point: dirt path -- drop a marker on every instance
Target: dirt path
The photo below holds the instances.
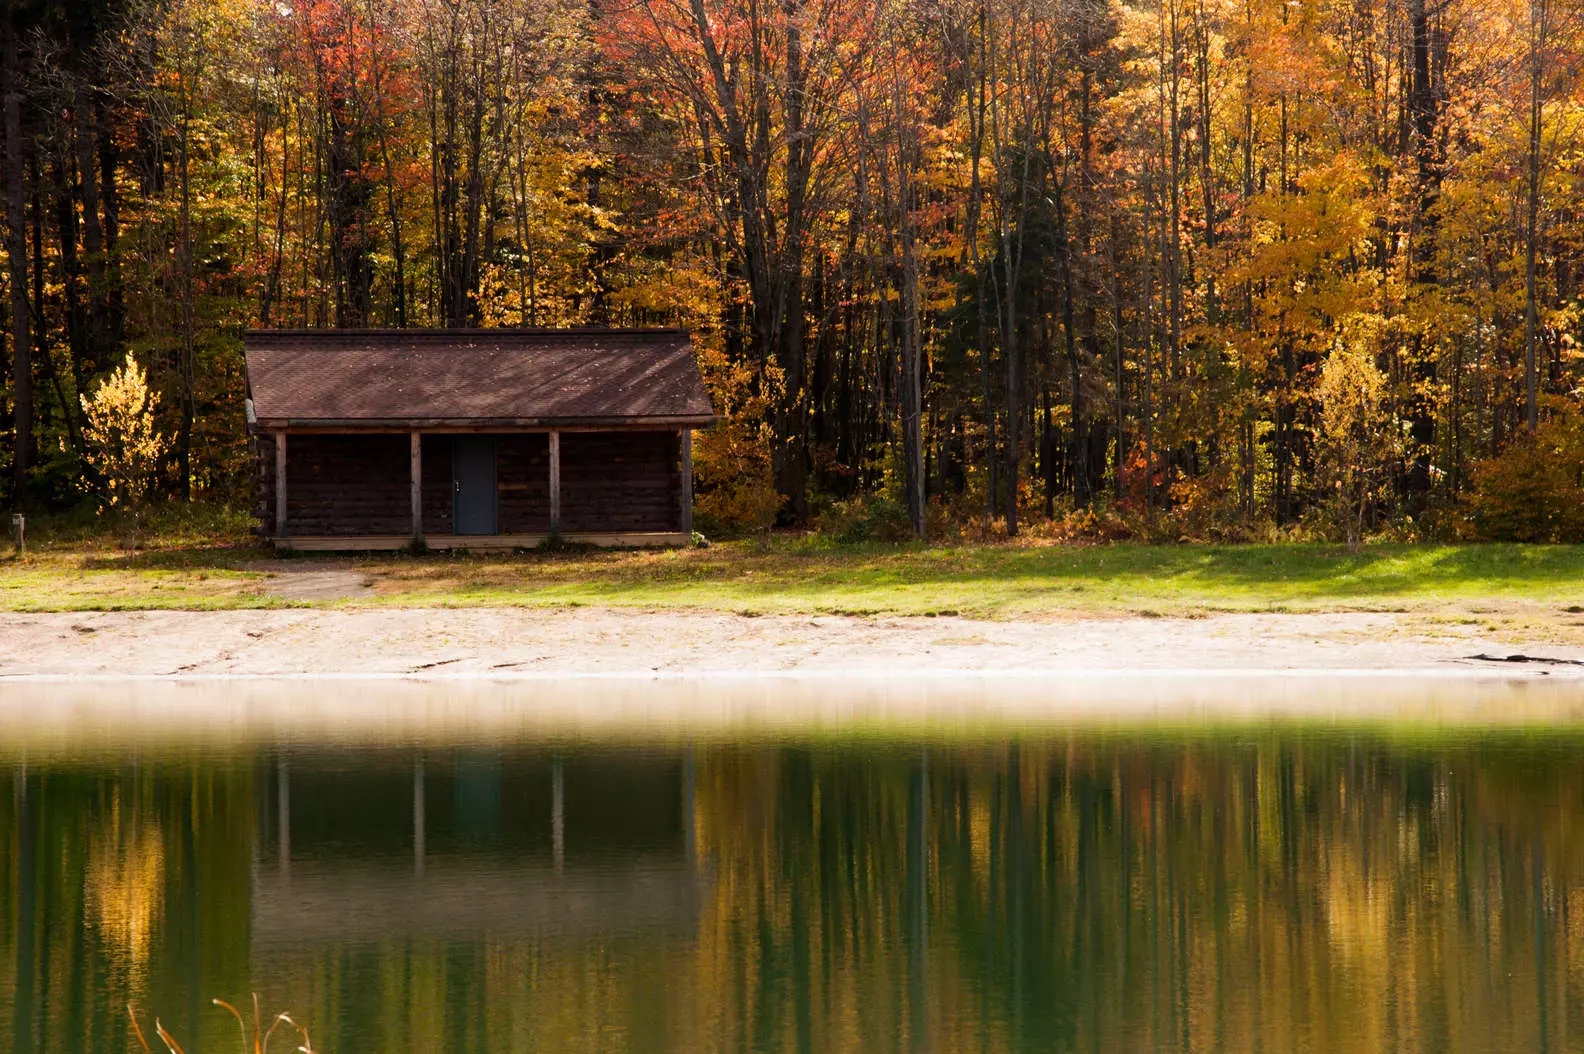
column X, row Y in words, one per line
column 514, row 641
column 294, row 580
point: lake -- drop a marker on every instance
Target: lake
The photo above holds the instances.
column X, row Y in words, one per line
column 1184, row 881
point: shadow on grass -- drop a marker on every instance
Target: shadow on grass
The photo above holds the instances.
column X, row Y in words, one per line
column 196, row 558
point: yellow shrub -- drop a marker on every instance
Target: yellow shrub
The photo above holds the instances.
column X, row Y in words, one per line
column 121, row 441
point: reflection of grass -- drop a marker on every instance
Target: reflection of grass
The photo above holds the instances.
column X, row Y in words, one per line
column 806, row 575
column 257, row 1043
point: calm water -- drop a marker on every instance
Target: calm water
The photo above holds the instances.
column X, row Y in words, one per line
column 1271, row 887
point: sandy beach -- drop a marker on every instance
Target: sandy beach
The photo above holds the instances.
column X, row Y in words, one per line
column 584, row 641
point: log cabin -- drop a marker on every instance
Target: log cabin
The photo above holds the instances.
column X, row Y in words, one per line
column 473, row 438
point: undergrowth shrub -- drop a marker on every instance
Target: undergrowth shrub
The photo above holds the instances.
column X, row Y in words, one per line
column 732, row 469
column 164, row 525
column 1534, row 491
column 1205, row 508
column 866, row 519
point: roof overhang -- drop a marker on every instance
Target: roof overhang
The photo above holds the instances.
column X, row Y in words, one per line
column 476, row 424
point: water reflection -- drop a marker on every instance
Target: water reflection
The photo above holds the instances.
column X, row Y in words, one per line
column 1285, row 888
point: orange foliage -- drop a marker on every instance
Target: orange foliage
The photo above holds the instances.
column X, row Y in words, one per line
column 1534, row 491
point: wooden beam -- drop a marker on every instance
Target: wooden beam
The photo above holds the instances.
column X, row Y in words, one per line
column 687, row 481
column 391, row 542
column 416, row 473
column 555, row 483
column 280, row 484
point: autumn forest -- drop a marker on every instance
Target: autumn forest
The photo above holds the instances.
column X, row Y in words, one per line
column 1226, row 269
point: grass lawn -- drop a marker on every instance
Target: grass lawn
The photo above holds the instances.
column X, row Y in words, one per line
column 187, row 568
column 795, row 576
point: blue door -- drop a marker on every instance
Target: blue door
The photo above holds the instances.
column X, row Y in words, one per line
column 473, row 483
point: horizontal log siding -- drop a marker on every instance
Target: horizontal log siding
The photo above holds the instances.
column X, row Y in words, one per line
column 522, row 479
column 620, row 481
column 264, row 484
column 348, row 485
column 438, row 499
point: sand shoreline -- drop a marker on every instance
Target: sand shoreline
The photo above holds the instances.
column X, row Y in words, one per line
column 533, row 644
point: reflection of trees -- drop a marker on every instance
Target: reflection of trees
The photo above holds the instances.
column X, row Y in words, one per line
column 1251, row 891
column 126, row 883
column 1091, row 894
column 125, row 886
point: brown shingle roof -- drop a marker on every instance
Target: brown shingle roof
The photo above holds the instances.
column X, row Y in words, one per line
column 438, row 377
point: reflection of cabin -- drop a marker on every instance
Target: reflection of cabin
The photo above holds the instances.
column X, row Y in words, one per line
column 471, row 843
column 497, row 438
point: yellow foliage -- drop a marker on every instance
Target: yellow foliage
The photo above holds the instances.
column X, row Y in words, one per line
column 121, row 440
column 731, row 463
column 1355, row 445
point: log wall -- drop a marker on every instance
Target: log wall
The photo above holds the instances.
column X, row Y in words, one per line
column 522, row 476
column 438, row 499
column 620, row 481
column 348, row 484
column 264, row 484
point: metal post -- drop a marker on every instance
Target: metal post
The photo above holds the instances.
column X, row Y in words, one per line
column 19, row 532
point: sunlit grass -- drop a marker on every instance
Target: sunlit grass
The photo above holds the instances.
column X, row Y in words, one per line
column 798, row 576
column 795, row 574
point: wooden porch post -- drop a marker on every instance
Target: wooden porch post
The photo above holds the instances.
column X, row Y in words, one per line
column 280, row 484
column 416, row 474
column 687, row 481
column 555, row 483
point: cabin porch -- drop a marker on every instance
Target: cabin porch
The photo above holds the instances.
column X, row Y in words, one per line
column 502, row 489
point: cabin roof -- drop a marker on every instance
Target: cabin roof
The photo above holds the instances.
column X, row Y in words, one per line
column 371, row 378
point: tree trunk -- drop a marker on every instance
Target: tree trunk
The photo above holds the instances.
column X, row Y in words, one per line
column 17, row 254
column 110, row 201
column 99, row 347
column 1422, row 105
column 1118, row 392
column 1082, row 492
column 1537, row 32
column 976, row 126
column 184, row 261
column 912, row 353
column 71, row 278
